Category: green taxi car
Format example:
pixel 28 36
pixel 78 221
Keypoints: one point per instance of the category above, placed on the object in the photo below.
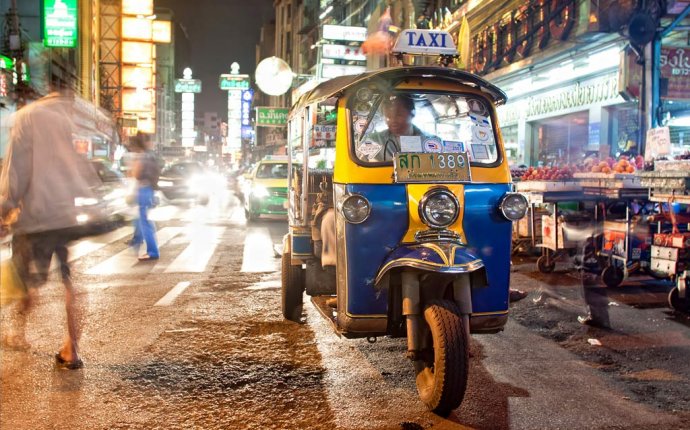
pixel 265 192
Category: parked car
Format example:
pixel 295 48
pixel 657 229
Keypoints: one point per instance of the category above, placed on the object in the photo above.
pixel 188 180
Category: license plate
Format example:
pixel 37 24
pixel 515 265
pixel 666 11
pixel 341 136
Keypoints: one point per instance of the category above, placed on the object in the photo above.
pixel 431 167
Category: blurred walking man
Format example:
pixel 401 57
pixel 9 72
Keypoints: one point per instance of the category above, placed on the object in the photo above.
pixel 46 181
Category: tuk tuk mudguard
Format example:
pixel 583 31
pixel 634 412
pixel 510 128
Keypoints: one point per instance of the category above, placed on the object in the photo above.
pixel 362 259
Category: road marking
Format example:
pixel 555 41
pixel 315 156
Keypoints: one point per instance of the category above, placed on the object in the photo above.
pixel 258 251
pixel 123 261
pixel 170 297
pixel 83 247
pixel 197 254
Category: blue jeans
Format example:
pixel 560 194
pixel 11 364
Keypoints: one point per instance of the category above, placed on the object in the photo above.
pixel 143 227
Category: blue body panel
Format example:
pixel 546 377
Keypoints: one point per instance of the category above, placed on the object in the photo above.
pixel 301 245
pixel 369 243
pixel 488 235
pixel 376 241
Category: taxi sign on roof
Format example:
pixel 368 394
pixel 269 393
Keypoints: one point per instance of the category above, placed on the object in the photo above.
pixel 425 42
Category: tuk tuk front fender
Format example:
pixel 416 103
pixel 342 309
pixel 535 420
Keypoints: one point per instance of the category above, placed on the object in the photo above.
pixel 443 257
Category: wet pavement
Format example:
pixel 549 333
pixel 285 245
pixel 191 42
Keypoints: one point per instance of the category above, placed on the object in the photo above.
pixel 217 353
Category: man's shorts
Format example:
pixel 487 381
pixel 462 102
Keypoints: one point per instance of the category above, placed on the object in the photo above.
pixel 38 248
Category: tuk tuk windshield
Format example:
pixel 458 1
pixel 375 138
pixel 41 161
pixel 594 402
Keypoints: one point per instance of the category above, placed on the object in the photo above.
pixel 384 125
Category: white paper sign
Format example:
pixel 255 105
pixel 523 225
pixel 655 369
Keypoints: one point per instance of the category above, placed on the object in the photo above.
pixel 410 144
pixel 658 143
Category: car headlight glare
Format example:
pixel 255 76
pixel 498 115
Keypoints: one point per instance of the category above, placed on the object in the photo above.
pixel 439 208
pixel 259 191
pixel 513 206
pixel 356 209
pixel 165 184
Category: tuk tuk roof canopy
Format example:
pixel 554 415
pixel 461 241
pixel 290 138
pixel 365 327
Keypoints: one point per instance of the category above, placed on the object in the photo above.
pixel 392 76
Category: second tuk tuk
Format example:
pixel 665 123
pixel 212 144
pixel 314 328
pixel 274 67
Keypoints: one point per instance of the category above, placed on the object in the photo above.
pixel 400 206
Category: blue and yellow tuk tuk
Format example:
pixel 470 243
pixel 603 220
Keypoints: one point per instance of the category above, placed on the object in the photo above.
pixel 400 206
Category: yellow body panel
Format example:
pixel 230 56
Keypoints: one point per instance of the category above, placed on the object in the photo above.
pixel 415 192
pixel 347 171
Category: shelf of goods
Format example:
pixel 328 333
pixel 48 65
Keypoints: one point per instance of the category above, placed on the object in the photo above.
pixel 669 182
pixel 612 185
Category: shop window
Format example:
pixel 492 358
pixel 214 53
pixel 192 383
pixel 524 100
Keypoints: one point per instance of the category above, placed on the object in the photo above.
pixel 563 139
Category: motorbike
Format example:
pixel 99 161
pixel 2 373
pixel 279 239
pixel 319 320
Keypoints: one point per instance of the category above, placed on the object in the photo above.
pixel 403 234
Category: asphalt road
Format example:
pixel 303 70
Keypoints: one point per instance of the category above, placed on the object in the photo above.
pixel 196 340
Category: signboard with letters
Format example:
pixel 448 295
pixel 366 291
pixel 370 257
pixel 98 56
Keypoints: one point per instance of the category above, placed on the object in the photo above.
pixel 343 52
pixel 271 116
pixel 675 66
pixel 234 82
pixel 343 32
pixel 187 85
pixel 658 143
pixel 425 42
pixel 60 23
pixel 330 71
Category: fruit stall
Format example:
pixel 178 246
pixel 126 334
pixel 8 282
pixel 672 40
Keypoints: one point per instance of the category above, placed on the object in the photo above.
pixel 622 232
pixel 669 183
pixel 555 199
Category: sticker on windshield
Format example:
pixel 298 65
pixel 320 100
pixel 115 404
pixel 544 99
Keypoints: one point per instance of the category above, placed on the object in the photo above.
pixel 481 134
pixel 433 145
pixel 480 152
pixel 360 124
pixel 410 144
pixel 369 148
pixel 450 146
pixel 480 120
pixel 476 106
pixel 362 108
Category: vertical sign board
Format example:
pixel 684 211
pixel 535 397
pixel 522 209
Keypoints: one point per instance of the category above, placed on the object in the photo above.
pixel 247 96
pixel 234 119
pixel 60 23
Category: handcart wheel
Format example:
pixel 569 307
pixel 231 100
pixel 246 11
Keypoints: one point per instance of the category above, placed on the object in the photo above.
pixel 292 288
pixel 442 367
pixel 678 304
pixel 612 276
pixel 544 265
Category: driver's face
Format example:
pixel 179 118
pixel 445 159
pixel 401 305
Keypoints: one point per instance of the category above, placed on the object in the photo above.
pixel 398 118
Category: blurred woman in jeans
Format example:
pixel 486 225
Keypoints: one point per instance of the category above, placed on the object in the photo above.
pixel 146 172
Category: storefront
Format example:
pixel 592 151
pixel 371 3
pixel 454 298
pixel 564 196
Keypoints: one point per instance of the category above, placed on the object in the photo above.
pixel 560 69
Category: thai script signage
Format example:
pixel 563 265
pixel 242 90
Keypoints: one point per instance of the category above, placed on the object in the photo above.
pixel 675 66
pixel 343 52
pixel 602 90
pixel 271 117
pixel 342 32
pixel 60 23
pixel 577 95
pixel 520 32
pixel 187 85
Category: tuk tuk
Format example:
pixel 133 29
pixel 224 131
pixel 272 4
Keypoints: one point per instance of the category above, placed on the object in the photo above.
pixel 400 207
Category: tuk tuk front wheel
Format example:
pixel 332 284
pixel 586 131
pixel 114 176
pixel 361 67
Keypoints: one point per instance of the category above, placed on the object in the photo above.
pixel 292 289
pixel 442 367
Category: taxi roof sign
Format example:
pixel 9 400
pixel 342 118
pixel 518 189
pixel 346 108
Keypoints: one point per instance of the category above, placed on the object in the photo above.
pixel 425 42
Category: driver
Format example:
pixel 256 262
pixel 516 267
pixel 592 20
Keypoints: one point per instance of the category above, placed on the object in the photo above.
pixel 398 111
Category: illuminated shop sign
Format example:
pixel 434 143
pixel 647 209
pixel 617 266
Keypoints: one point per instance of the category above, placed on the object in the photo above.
pixel 675 66
pixel 520 32
pixel 60 23
pixel 343 32
pixel 343 52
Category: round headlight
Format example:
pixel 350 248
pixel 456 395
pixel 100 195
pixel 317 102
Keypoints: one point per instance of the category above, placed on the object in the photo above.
pixel 356 209
pixel 439 208
pixel 513 206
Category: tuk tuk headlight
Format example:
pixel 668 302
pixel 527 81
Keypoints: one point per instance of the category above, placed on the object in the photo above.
pixel 513 206
pixel 355 209
pixel 439 208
